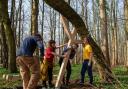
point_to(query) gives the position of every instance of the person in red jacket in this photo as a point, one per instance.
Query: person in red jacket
(47, 65)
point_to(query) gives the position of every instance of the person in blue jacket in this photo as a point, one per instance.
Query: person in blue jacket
(28, 63)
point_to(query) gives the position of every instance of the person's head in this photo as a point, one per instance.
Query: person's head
(75, 46)
(38, 36)
(86, 40)
(52, 43)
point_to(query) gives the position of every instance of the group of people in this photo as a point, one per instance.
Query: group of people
(31, 69)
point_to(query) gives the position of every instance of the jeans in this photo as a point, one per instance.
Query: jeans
(86, 67)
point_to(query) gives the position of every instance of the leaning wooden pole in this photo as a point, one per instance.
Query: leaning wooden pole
(63, 67)
(64, 64)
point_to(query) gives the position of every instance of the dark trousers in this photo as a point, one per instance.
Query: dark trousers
(85, 68)
(68, 69)
(50, 70)
(49, 75)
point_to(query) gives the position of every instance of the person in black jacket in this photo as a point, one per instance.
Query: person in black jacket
(68, 67)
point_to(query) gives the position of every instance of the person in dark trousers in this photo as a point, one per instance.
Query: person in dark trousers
(68, 67)
(87, 61)
(47, 65)
(28, 63)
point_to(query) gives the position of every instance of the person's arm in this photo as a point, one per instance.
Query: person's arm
(91, 54)
(41, 47)
(78, 42)
(55, 54)
(90, 60)
(60, 46)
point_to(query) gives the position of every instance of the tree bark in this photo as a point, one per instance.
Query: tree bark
(62, 7)
(4, 53)
(126, 28)
(114, 32)
(42, 24)
(19, 28)
(12, 16)
(104, 37)
(34, 17)
(9, 35)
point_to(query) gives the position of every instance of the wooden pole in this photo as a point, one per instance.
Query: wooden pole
(64, 64)
(66, 28)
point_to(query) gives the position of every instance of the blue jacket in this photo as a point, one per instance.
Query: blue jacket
(29, 45)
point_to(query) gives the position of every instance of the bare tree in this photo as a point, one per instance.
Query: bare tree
(4, 47)
(104, 37)
(19, 28)
(9, 35)
(126, 27)
(34, 17)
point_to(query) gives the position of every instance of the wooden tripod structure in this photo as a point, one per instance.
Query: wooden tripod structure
(62, 7)
(71, 36)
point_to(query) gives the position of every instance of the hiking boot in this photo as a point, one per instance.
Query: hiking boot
(81, 83)
(90, 84)
(51, 85)
(64, 81)
(44, 84)
(67, 83)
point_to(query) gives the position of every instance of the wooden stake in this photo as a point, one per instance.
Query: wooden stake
(63, 67)
(66, 28)
(64, 64)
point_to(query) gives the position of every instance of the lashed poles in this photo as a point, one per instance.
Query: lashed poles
(71, 37)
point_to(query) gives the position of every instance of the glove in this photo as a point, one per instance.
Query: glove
(89, 63)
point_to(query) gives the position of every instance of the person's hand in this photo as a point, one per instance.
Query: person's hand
(64, 56)
(89, 63)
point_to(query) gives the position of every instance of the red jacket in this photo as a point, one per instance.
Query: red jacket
(48, 54)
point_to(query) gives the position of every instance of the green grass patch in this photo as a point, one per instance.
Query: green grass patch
(120, 72)
(3, 71)
(7, 84)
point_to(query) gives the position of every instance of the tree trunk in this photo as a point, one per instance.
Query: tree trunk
(114, 35)
(0, 49)
(104, 36)
(12, 16)
(94, 18)
(34, 17)
(42, 24)
(9, 35)
(86, 12)
(4, 47)
(62, 7)
(19, 29)
(126, 28)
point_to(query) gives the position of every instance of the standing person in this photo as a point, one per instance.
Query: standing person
(47, 65)
(29, 63)
(87, 61)
(68, 67)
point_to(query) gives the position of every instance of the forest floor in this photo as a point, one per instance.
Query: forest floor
(120, 72)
